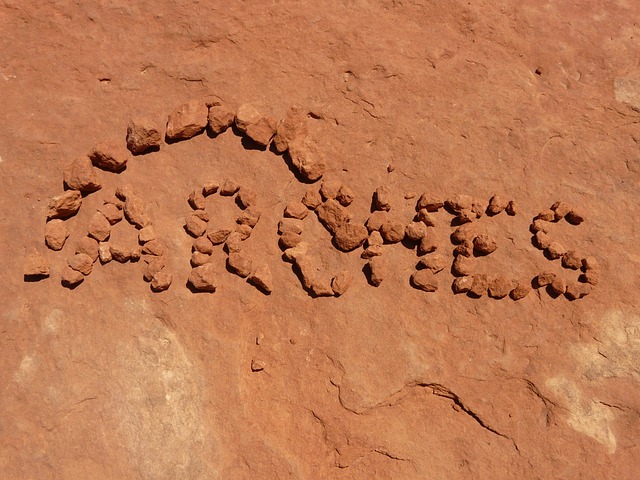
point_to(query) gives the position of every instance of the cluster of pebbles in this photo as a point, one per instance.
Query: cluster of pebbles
(144, 135)
(570, 259)
(203, 276)
(329, 203)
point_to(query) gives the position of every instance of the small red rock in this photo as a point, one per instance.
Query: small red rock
(290, 240)
(156, 248)
(575, 217)
(496, 205)
(249, 217)
(415, 231)
(591, 276)
(345, 196)
(424, 280)
(341, 283)
(147, 234)
(555, 250)
(143, 135)
(104, 252)
(429, 203)
(332, 215)
(135, 211)
(262, 279)
(459, 203)
(120, 253)
(393, 231)
(465, 248)
(88, 246)
(571, 260)
(152, 265)
(64, 205)
(512, 208)
(262, 131)
(521, 290)
(428, 243)
(35, 265)
(463, 266)
(462, 284)
(292, 128)
(500, 287)
(350, 236)
(425, 217)
(81, 262)
(245, 116)
(435, 263)
(479, 286)
(99, 227)
(382, 198)
(307, 159)
(248, 198)
(377, 267)
(109, 156)
(464, 232)
(194, 225)
(312, 199)
(296, 210)
(198, 259)
(233, 244)
(203, 245)
(329, 189)
(187, 121)
(55, 234)
(218, 236)
(376, 220)
(111, 212)
(229, 188)
(542, 240)
(210, 188)
(558, 286)
(484, 245)
(545, 278)
(290, 225)
(71, 278)
(204, 278)
(239, 264)
(220, 118)
(161, 281)
(196, 199)
(576, 290)
(80, 175)
(560, 209)
(546, 215)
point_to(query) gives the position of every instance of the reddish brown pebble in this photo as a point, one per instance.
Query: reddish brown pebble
(80, 175)
(332, 215)
(147, 234)
(290, 240)
(233, 244)
(576, 290)
(249, 217)
(458, 203)
(571, 260)
(198, 259)
(239, 264)
(220, 118)
(262, 131)
(143, 135)
(540, 226)
(464, 232)
(591, 276)
(374, 239)
(555, 250)
(376, 220)
(218, 236)
(345, 196)
(307, 159)
(425, 217)
(99, 227)
(392, 231)
(589, 263)
(35, 266)
(154, 247)
(135, 211)
(244, 231)
(161, 281)
(496, 205)
(71, 278)
(465, 248)
(542, 240)
(462, 284)
(195, 226)
(104, 252)
(187, 121)
(246, 197)
(290, 225)
(520, 291)
(382, 198)
(424, 280)
(463, 266)
(55, 234)
(203, 245)
(512, 208)
(312, 199)
(150, 266)
(329, 189)
(210, 188)
(341, 283)
(545, 278)
(574, 217)
(120, 253)
(377, 269)
(479, 286)
(296, 210)
(229, 188)
(81, 262)
(415, 231)
(196, 199)
(89, 246)
(478, 208)
(291, 129)
(428, 243)
(546, 215)
(262, 279)
(429, 203)
(203, 278)
(111, 212)
(246, 115)
(558, 286)
(484, 244)
(64, 205)
(350, 236)
(109, 156)
(560, 210)
(465, 216)
(500, 287)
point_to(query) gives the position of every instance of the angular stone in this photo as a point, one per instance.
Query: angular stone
(104, 252)
(392, 231)
(329, 189)
(296, 210)
(135, 211)
(591, 276)
(415, 231)
(220, 118)
(382, 199)
(372, 251)
(292, 254)
(187, 121)
(99, 227)
(590, 263)
(560, 209)
(540, 225)
(376, 220)
(465, 216)
(429, 203)
(458, 203)
(120, 253)
(575, 217)
(434, 263)
(545, 278)
(152, 265)
(196, 199)
(307, 159)
(198, 259)
(290, 240)
(229, 188)
(500, 287)
(194, 225)
(425, 217)
(512, 208)
(239, 264)
(464, 232)
(424, 280)
(428, 243)
(576, 290)
(521, 290)
(157, 248)
(546, 215)
(332, 215)
(484, 244)
(558, 286)
(218, 237)
(555, 250)
(375, 239)
(496, 205)
(203, 245)
(247, 197)
(350, 236)
(479, 286)
(35, 265)
(143, 135)
(81, 262)
(244, 231)
(465, 249)
(464, 266)
(262, 279)
(80, 175)
(161, 281)
(88, 246)
(233, 243)
(245, 116)
(345, 196)
(249, 217)
(71, 278)
(542, 240)
(462, 284)
(55, 234)
(111, 212)
(341, 283)
(262, 131)
(571, 260)
(312, 199)
(204, 278)
(292, 128)
(64, 205)
(377, 268)
(147, 234)
(210, 188)
(109, 156)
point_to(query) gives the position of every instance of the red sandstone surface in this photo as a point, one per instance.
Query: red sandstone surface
(319, 240)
